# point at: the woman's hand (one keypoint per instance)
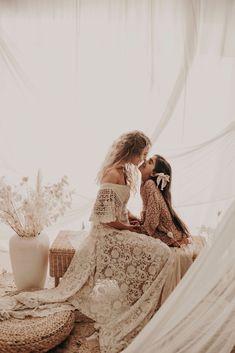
(133, 228)
(175, 244)
(135, 222)
(122, 226)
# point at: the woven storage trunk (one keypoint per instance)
(60, 254)
(35, 334)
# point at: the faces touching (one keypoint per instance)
(137, 159)
(147, 168)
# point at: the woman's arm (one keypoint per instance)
(121, 226)
(151, 216)
(116, 176)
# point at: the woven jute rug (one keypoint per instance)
(77, 341)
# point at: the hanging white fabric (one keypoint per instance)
(199, 316)
(112, 67)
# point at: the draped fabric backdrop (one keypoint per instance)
(199, 315)
(74, 75)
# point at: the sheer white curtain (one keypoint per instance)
(76, 74)
(199, 316)
(197, 125)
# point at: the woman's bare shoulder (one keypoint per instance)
(114, 175)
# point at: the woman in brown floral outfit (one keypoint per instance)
(159, 219)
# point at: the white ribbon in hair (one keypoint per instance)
(164, 178)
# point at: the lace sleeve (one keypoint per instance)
(153, 207)
(107, 207)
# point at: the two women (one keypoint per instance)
(118, 276)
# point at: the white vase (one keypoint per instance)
(29, 260)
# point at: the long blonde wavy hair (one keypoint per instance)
(121, 152)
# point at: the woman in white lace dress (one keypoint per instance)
(117, 277)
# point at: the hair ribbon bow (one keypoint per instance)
(164, 178)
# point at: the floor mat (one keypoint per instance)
(77, 341)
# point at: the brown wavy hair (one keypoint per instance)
(128, 145)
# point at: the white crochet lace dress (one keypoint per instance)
(116, 277)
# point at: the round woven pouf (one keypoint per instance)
(35, 334)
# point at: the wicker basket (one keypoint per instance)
(61, 254)
(35, 334)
